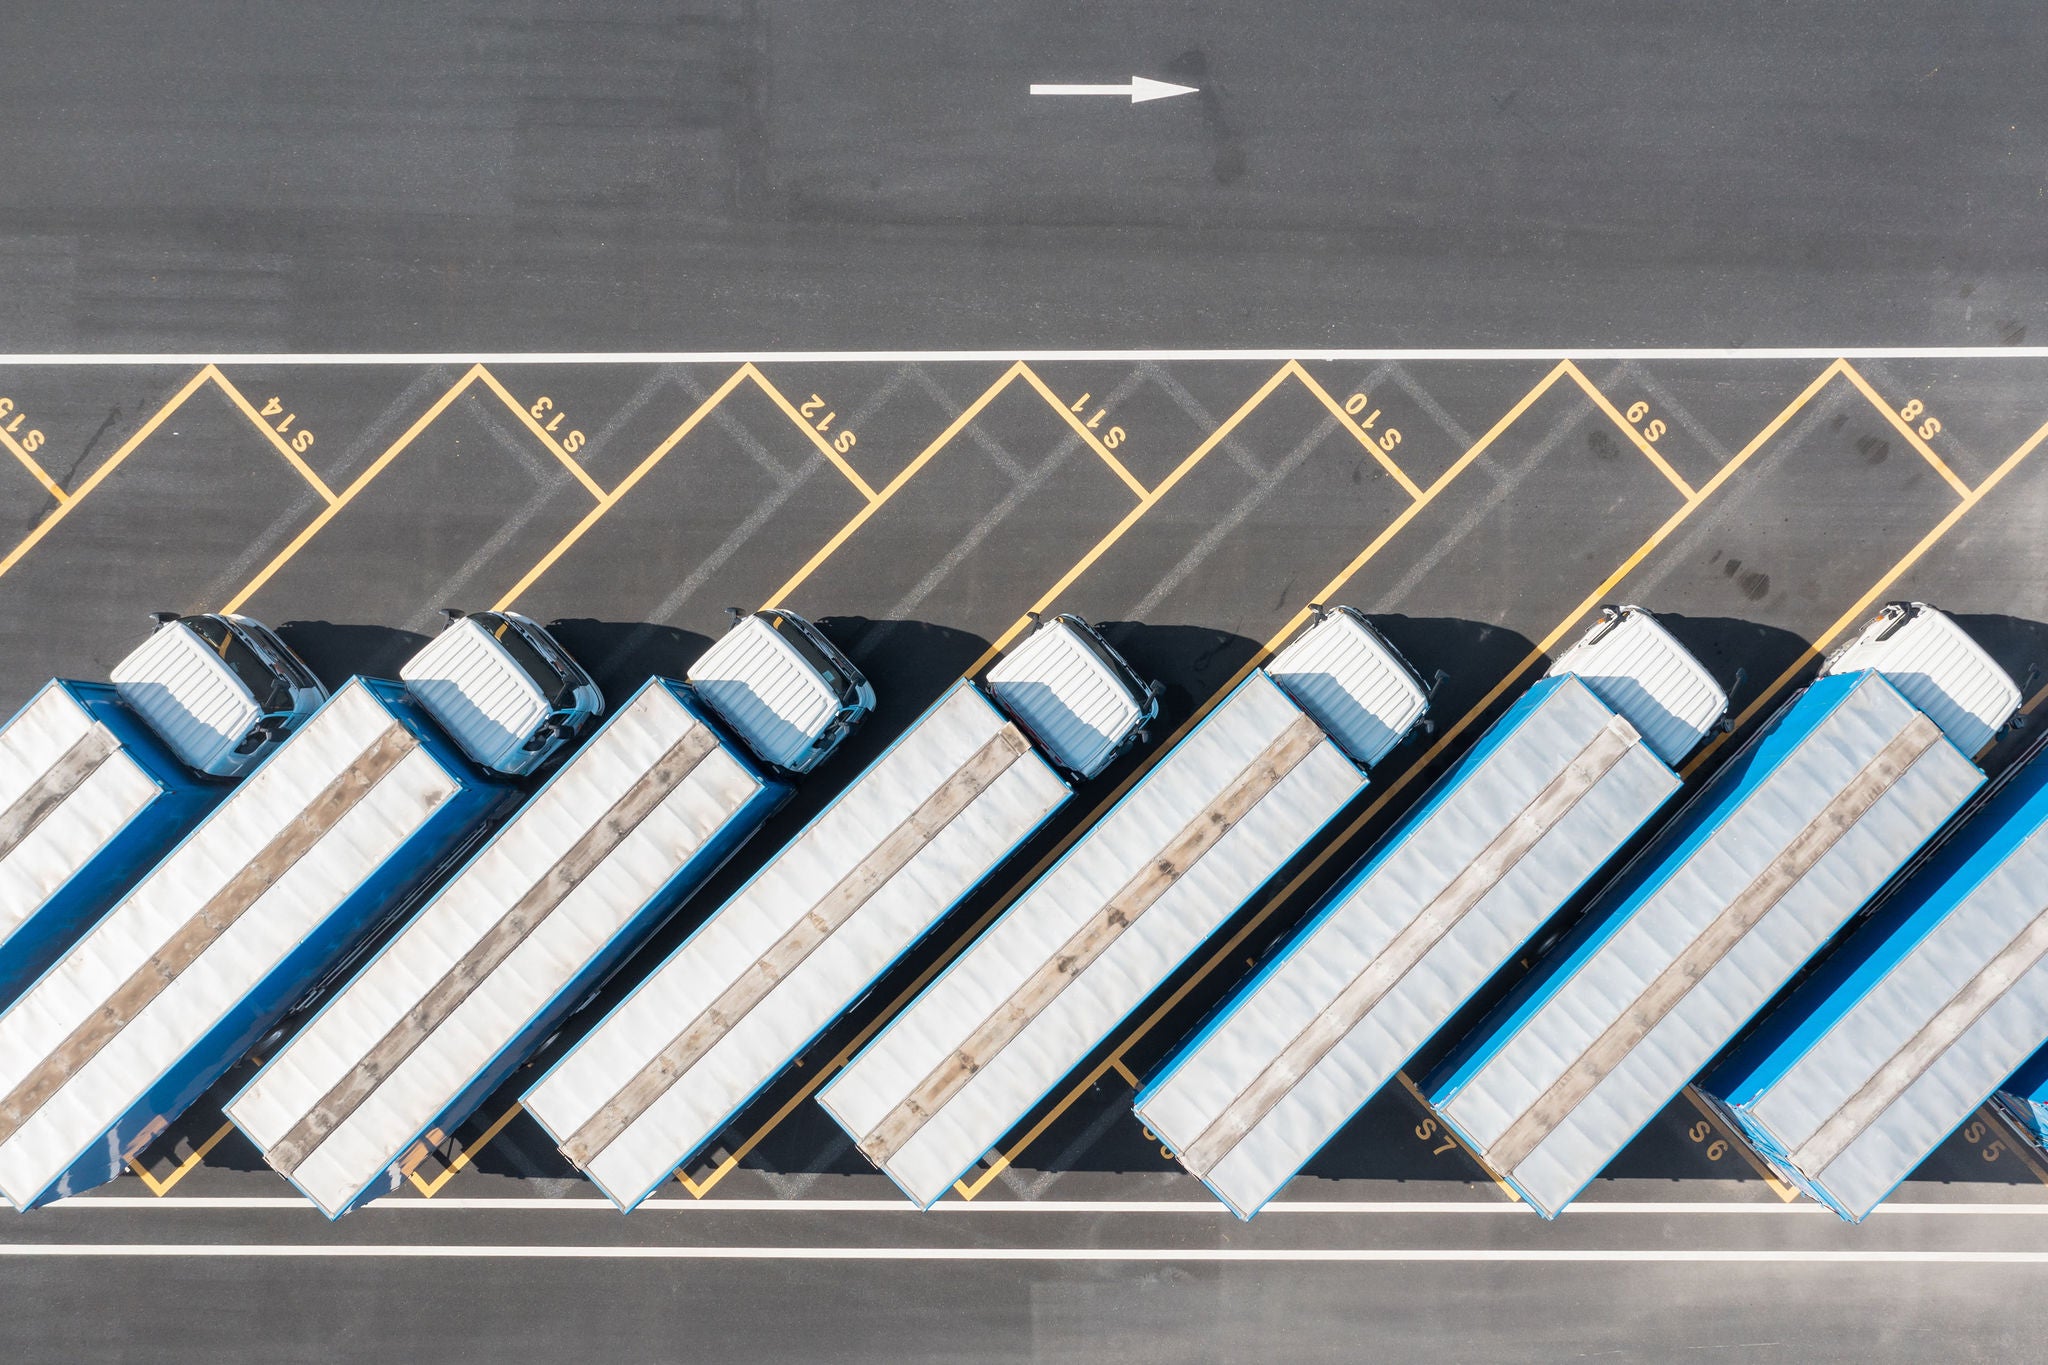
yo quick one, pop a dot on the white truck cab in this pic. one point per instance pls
(1074, 694)
(785, 688)
(503, 688)
(1643, 674)
(1939, 668)
(221, 690)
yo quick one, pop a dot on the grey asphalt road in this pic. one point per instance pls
(733, 174)
(739, 176)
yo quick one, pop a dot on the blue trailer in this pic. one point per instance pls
(1087, 942)
(1906, 1028)
(1747, 883)
(615, 842)
(520, 936)
(173, 985)
(835, 908)
(90, 799)
(1542, 801)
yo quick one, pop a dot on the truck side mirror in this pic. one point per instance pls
(163, 618)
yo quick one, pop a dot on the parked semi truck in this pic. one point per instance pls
(1751, 878)
(658, 799)
(841, 903)
(1907, 1027)
(99, 780)
(356, 808)
(1082, 947)
(1546, 797)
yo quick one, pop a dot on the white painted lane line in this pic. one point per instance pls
(457, 1252)
(1388, 1208)
(1544, 353)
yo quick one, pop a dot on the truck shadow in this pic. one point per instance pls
(620, 656)
(337, 652)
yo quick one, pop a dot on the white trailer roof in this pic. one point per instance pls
(66, 787)
(1927, 656)
(771, 696)
(811, 932)
(203, 929)
(1405, 941)
(187, 694)
(477, 691)
(1888, 1079)
(1342, 673)
(1067, 696)
(1091, 939)
(1751, 890)
(579, 864)
(1632, 663)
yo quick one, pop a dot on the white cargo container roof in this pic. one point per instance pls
(1407, 939)
(1878, 1091)
(1927, 656)
(204, 928)
(723, 1015)
(1343, 674)
(187, 694)
(67, 786)
(1632, 663)
(1760, 876)
(770, 694)
(477, 691)
(1067, 696)
(1091, 939)
(578, 865)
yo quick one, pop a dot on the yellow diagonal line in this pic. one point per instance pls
(540, 432)
(1856, 613)
(1081, 429)
(610, 500)
(362, 481)
(99, 476)
(1362, 436)
(1642, 444)
(462, 1158)
(160, 1188)
(2020, 1146)
(909, 472)
(276, 437)
(818, 438)
(1905, 429)
(36, 471)
(1788, 1193)
(1130, 519)
(1452, 1133)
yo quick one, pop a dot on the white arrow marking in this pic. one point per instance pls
(1140, 89)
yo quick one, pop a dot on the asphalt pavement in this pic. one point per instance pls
(763, 174)
(746, 178)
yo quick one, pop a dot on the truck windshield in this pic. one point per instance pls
(269, 691)
(809, 651)
(560, 692)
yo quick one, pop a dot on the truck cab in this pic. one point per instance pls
(1075, 695)
(1932, 660)
(221, 690)
(504, 689)
(785, 688)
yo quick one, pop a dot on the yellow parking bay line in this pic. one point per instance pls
(35, 470)
(1861, 608)
(162, 1187)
